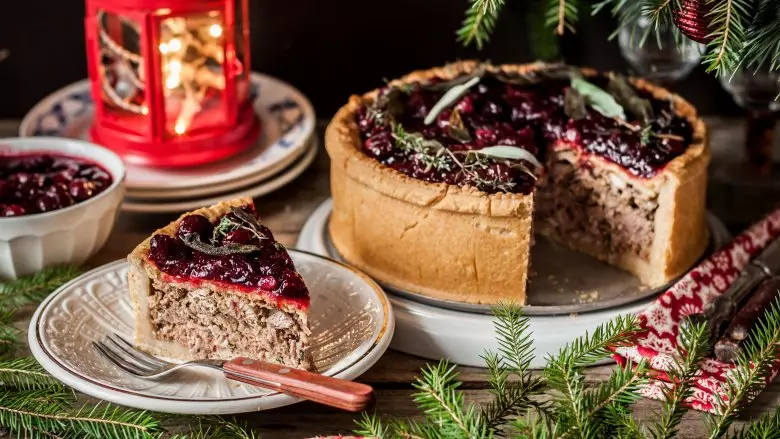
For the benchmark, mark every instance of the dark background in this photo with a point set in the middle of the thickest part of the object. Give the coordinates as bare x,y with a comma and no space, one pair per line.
327,48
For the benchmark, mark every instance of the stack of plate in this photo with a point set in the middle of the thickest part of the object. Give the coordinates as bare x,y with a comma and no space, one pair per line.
286,147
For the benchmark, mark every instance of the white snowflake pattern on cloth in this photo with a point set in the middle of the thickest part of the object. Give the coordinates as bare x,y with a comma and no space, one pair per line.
740,257
660,319
711,365
658,344
652,390
684,288
722,261
759,234
710,383
719,282
662,362
688,309
666,299
630,352
705,267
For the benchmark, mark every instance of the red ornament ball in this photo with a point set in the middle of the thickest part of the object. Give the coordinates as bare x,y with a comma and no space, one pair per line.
691,18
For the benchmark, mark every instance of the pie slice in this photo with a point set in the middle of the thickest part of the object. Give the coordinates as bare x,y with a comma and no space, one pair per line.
215,284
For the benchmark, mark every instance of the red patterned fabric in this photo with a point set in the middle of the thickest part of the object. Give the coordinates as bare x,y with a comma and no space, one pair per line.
700,286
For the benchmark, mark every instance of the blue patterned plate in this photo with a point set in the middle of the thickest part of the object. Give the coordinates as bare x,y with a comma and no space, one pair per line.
288,122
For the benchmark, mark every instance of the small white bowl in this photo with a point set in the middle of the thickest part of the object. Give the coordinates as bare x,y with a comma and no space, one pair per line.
71,235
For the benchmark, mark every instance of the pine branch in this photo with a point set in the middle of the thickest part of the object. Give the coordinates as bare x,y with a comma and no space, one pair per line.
767,427
27,374
443,405
562,15
480,21
693,349
510,399
544,43
371,426
763,38
17,293
752,368
43,412
729,22
563,372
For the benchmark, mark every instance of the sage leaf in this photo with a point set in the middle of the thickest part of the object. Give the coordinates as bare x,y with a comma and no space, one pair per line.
446,85
449,98
598,99
509,153
626,96
193,241
457,129
574,104
546,72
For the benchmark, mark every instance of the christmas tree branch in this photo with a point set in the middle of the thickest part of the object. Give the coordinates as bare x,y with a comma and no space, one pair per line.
20,292
693,349
752,368
766,427
728,25
27,374
480,21
510,399
562,15
763,38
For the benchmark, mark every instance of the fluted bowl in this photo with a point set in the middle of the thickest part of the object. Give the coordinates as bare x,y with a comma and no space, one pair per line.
70,235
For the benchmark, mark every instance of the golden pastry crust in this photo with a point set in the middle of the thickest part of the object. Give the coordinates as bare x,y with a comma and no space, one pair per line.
461,244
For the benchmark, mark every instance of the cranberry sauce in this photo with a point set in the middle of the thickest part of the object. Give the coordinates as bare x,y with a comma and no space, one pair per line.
530,117
268,268
35,183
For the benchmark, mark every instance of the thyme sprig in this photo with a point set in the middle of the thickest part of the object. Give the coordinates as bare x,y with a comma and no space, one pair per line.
436,156
245,221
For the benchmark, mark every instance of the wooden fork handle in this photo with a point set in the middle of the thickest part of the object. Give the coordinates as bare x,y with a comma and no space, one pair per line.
334,392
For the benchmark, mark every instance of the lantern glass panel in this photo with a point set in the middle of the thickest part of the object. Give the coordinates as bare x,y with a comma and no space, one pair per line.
192,58
241,65
121,71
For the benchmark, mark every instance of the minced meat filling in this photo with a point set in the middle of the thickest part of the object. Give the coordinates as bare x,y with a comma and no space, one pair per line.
595,208
226,325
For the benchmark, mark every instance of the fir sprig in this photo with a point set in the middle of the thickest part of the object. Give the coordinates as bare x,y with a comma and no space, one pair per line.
694,339
729,24
23,291
753,364
481,18
742,37
562,15
26,374
511,398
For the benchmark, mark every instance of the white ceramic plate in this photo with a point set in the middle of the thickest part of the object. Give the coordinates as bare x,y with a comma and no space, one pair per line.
351,322
136,205
434,332
287,117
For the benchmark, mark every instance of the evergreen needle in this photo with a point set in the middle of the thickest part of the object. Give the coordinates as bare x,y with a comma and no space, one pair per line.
17,293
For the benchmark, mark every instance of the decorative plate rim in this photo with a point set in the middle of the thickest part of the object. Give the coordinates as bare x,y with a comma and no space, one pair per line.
298,137
275,182
85,384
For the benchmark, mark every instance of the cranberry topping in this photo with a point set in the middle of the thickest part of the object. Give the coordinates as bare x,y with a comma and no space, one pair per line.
529,117
269,268
36,183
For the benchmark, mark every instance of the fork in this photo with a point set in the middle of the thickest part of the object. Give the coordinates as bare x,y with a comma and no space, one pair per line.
334,392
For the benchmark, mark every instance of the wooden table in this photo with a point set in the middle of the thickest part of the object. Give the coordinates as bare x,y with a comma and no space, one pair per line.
285,212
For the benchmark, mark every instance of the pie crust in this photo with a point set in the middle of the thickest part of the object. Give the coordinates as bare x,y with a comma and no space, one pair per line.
461,244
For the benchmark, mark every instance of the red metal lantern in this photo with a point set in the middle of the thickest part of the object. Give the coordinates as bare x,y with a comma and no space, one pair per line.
170,79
